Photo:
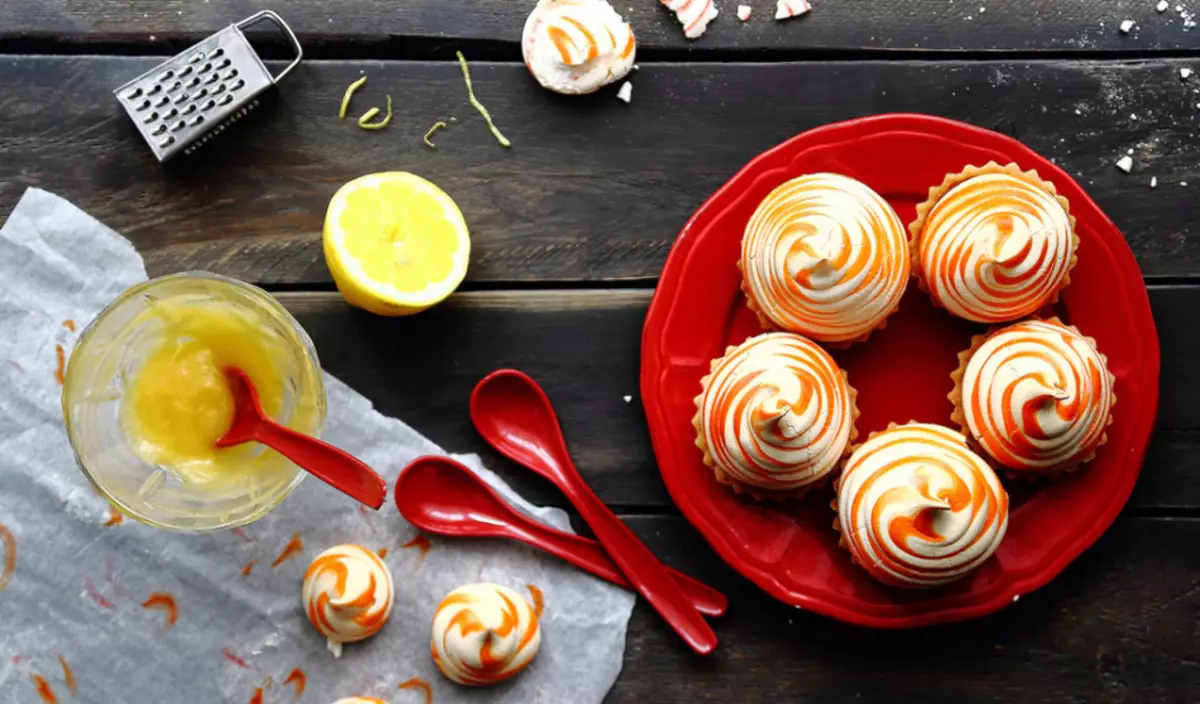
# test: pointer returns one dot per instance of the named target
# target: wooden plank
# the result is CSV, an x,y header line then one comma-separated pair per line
x,y
593,189
385,28
583,347
1117,626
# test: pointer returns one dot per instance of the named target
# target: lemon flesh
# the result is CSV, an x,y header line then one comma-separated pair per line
x,y
395,243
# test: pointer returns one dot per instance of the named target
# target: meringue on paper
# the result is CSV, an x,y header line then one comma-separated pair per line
x,y
577,46
484,634
348,595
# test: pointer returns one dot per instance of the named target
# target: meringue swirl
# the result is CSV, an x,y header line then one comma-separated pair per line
x,y
917,508
360,700
348,594
1037,396
996,247
484,634
577,46
694,15
776,413
825,256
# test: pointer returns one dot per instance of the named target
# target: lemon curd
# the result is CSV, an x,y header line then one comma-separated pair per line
x,y
178,403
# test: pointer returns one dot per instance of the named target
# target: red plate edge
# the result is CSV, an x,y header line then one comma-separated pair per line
x,y
1140,417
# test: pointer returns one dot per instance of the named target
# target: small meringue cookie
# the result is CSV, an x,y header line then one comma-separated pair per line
x,y
348,594
577,46
484,634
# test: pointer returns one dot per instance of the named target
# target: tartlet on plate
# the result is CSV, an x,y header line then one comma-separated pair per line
x,y
775,416
1035,396
994,243
826,257
917,508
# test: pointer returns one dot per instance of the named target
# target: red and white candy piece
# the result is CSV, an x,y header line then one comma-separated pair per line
x,y
785,9
694,15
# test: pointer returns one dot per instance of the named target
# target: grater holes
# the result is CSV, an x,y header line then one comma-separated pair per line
x,y
162,101
209,105
238,85
182,97
202,93
178,126
134,94
185,71
189,109
175,86
206,67
216,53
167,141
150,117
166,75
154,89
144,105
226,99
196,120
230,74
225,63
170,114
211,79
218,89
197,57
194,82
159,129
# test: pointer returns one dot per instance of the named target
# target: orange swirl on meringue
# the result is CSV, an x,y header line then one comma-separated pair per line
x,y
917,508
824,256
484,634
1037,396
997,246
348,594
775,414
360,700
577,46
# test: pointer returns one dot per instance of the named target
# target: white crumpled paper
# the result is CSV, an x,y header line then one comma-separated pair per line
x,y
78,587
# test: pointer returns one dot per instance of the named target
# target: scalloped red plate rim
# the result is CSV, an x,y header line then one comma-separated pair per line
x,y
664,444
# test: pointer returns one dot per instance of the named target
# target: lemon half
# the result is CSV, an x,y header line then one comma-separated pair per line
x,y
395,243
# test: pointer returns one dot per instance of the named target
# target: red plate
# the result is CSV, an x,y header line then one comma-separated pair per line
x,y
901,373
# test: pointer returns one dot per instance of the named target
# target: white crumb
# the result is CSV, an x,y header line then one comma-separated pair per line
x,y
1133,116
1126,26
625,93
637,68
628,399
1162,6
1125,163
982,10
1185,73
1179,8
153,38
743,12
1016,598
1130,152
1154,182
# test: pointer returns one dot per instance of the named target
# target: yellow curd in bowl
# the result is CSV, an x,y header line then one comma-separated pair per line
x,y
146,399
178,401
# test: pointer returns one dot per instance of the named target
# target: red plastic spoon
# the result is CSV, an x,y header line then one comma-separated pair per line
x,y
440,495
337,468
514,415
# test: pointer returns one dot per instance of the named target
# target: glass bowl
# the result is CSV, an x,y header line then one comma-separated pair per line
x,y
106,358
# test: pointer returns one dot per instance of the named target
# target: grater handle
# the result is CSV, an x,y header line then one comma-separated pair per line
x,y
278,21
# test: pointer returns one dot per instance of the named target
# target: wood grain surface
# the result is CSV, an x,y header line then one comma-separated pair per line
x,y
390,29
1119,625
592,190
583,347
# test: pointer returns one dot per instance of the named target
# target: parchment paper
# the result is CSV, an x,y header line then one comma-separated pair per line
x,y
78,587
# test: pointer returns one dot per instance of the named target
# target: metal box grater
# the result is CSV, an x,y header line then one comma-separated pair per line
x,y
190,98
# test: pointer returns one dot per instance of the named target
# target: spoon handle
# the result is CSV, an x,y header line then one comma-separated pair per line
x,y
335,467
647,575
587,554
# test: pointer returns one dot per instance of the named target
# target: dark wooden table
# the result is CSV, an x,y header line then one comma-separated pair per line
x,y
570,228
